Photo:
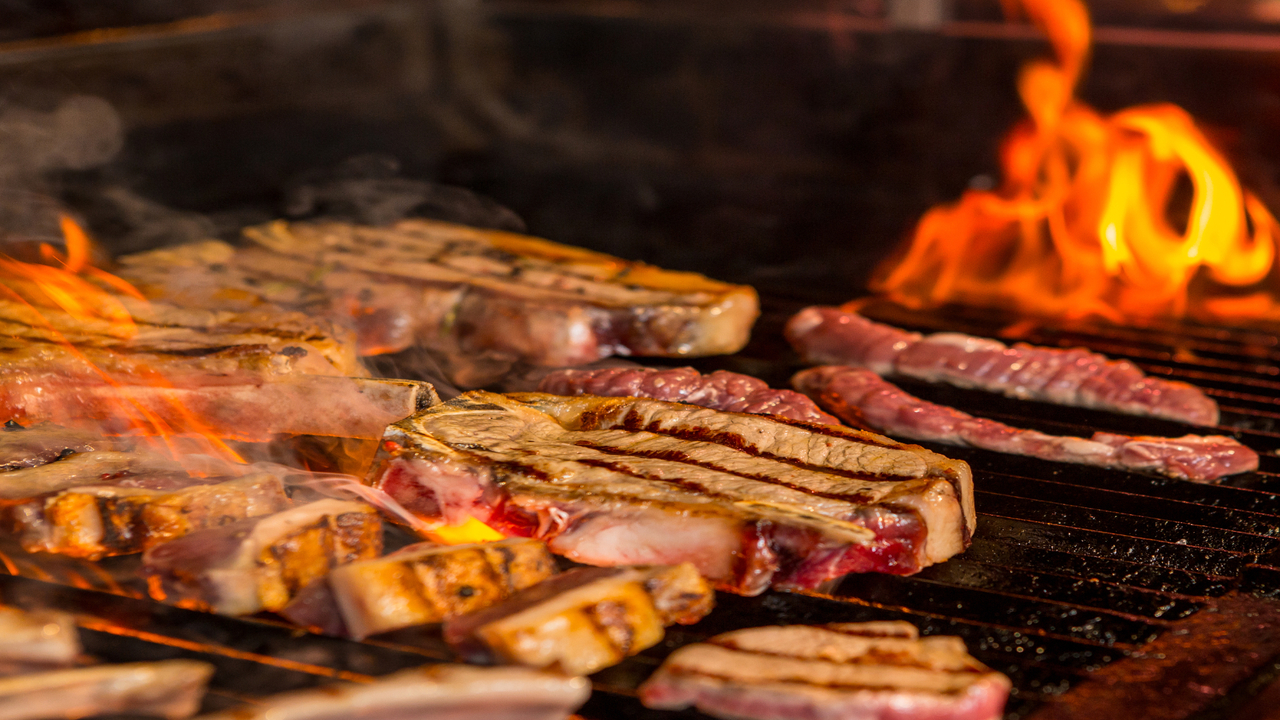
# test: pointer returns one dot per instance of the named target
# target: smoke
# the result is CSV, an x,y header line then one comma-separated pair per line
x,y
75,133
369,189
81,132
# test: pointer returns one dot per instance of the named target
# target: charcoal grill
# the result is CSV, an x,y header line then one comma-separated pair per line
x,y
1097,591
784,145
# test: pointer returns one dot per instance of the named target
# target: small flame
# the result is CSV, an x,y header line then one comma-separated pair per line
x,y
470,531
349,487
1080,226
69,288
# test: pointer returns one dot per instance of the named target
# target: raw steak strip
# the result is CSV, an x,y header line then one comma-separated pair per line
x,y
862,397
869,671
748,499
721,390
827,335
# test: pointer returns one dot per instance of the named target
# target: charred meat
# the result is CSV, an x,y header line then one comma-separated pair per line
x,y
750,500
721,390
429,583
170,689
439,692
583,620
261,563
871,671
863,398
826,335
127,517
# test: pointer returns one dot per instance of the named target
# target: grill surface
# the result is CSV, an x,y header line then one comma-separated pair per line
x,y
1096,591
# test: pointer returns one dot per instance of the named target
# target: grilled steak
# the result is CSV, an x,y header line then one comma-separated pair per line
x,y
94,467
244,375
721,390
861,397
261,563
438,692
869,671
457,289
99,521
170,689
428,583
244,393
25,447
583,620
825,335
34,639
750,500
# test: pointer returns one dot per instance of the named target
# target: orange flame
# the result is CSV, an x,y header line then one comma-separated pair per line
x,y
66,288
1081,224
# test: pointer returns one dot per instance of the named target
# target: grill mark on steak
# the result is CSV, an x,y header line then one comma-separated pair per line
x,y
871,657
684,458
633,422
683,484
516,468
691,672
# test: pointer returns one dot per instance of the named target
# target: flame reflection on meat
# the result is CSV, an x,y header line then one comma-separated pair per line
x,y
1080,226
85,293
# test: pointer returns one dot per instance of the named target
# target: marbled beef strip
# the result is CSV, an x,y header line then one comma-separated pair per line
x,y
864,398
720,390
827,335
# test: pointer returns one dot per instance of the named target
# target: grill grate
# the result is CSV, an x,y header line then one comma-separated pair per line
x,y
1079,581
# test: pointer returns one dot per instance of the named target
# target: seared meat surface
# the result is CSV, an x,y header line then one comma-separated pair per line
x,y
583,620
438,692
869,671
863,398
94,522
33,640
170,689
261,563
720,390
826,335
750,500
428,583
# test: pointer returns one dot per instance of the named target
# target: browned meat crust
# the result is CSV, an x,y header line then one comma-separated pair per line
x,y
261,563
429,583
583,620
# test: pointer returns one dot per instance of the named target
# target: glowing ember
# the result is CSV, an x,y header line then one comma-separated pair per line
x,y
71,289
1081,224
470,531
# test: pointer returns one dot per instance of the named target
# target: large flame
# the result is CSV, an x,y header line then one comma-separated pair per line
x,y
77,288
1081,225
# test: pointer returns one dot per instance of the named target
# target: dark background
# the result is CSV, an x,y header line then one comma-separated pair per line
x,y
786,144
